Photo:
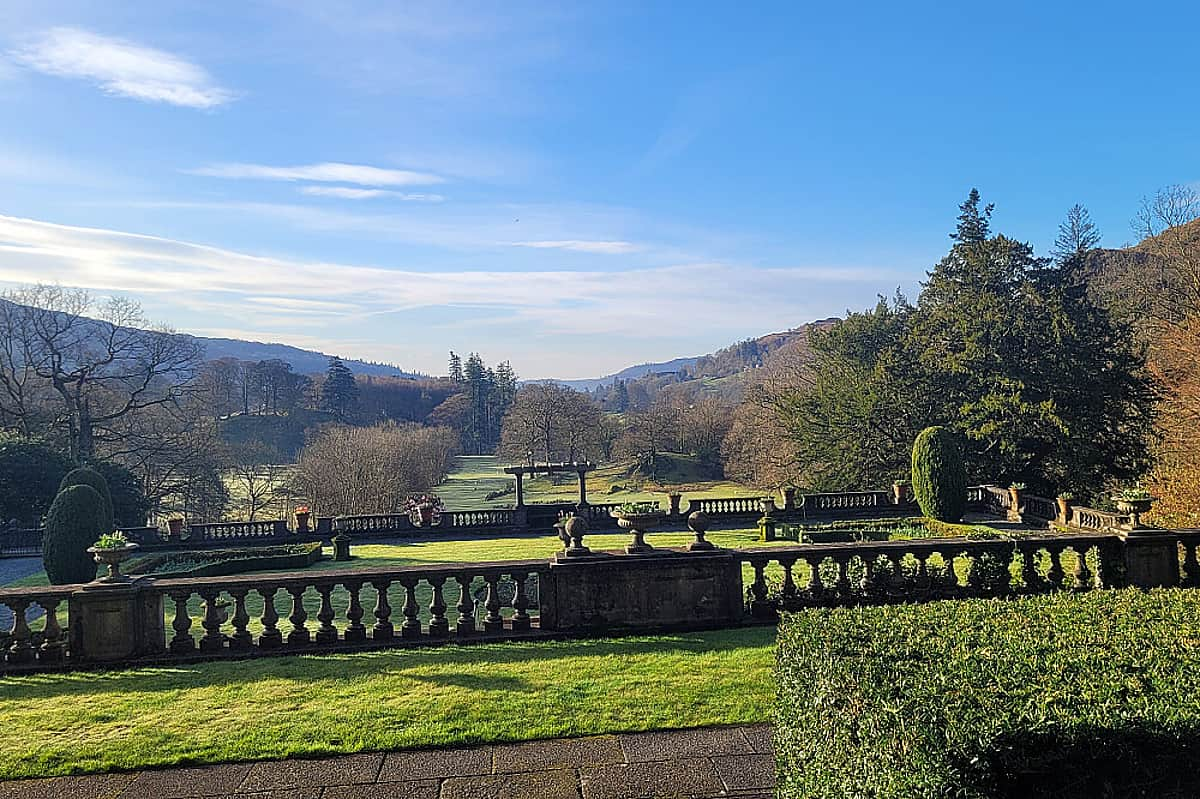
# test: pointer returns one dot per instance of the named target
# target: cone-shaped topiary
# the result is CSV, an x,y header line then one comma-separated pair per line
x,y
72,525
87,476
939,479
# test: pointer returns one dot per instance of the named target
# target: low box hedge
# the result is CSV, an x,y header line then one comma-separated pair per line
x,y
223,562
1065,695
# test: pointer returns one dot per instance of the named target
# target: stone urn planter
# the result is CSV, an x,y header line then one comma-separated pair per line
x,y
113,557
901,492
1065,501
302,521
1133,506
424,514
175,528
640,522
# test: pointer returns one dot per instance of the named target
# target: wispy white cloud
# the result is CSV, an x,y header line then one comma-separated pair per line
x,y
120,67
328,172
348,193
604,247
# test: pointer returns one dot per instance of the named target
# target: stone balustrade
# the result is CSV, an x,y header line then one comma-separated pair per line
x,y
225,532
726,507
480,519
1092,519
916,570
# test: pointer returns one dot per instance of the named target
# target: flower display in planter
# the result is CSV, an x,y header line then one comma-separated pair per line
x,y
425,510
110,550
1134,502
302,518
638,517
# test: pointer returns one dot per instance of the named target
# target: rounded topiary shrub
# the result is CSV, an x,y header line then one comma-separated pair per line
x,y
86,476
939,478
30,475
73,524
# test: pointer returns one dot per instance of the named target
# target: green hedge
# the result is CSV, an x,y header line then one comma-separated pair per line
x,y
894,529
87,476
218,562
1065,695
939,478
72,525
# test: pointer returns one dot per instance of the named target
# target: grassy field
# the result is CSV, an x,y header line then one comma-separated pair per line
x,y
317,705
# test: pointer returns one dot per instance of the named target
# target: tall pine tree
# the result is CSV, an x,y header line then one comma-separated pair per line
x,y
339,393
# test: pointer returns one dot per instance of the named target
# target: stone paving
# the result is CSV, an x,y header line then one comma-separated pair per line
x,y
679,764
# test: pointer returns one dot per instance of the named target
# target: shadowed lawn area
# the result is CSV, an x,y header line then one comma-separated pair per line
x,y
315,705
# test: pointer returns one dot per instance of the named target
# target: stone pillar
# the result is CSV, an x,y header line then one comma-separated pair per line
x,y
583,488
1151,558
662,591
520,489
789,498
116,621
675,498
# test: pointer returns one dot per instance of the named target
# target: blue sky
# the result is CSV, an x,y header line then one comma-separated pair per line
x,y
573,187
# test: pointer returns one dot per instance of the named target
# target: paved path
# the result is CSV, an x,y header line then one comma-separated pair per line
x,y
679,764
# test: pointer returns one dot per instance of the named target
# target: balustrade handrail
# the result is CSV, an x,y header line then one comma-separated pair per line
x,y
930,545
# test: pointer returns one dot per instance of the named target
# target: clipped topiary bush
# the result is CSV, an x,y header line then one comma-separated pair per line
x,y
75,521
939,477
87,476
1070,696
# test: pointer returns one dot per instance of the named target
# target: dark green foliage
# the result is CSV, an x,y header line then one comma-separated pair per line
x,y
939,478
339,391
75,521
1006,349
30,473
1070,696
130,505
87,476
217,562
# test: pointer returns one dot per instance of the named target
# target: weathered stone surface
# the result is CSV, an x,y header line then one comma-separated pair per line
x,y
1151,560
184,782
422,789
760,737
672,590
111,622
672,744
670,778
560,784
432,763
276,774
561,753
99,786
745,772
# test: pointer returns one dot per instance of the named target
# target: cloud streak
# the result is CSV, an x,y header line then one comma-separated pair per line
x,y
348,193
328,172
122,68
574,245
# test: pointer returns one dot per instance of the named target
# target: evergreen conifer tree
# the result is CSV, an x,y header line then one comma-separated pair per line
x,y
339,391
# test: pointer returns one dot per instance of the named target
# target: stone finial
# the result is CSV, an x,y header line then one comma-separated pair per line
x,y
575,528
698,523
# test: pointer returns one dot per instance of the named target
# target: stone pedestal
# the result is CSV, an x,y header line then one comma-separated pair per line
x,y
1151,558
116,621
663,590
341,547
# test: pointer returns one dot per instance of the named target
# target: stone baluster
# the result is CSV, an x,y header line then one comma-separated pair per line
x,y
1029,571
383,630
759,606
299,635
241,639
789,585
181,642
520,619
356,632
867,583
270,637
922,577
1191,568
1055,576
493,622
465,625
843,576
950,578
1082,572
412,622
439,626
326,632
816,588
51,650
21,649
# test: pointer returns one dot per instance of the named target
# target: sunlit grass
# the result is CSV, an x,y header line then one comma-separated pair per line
x,y
314,705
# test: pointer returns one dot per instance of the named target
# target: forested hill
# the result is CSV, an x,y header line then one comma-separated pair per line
x,y
306,362
302,361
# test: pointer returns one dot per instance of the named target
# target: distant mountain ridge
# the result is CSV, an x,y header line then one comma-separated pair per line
x,y
628,373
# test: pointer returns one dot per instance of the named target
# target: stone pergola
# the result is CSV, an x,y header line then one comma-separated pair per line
x,y
579,468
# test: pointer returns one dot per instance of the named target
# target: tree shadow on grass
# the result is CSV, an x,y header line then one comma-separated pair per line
x,y
472,682
398,661
1136,762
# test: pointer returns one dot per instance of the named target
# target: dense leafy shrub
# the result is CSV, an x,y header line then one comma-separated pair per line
x,y
939,477
130,504
86,476
1064,695
72,525
30,473
217,562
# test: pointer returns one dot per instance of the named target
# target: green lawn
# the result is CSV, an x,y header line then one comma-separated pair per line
x,y
316,705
